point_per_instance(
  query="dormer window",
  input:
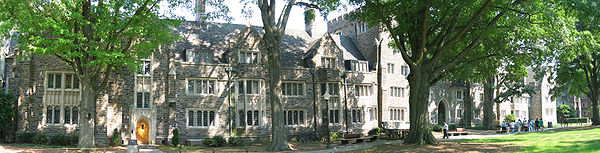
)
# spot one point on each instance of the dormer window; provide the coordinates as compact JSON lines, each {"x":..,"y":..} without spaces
{"x":362,"y":27}
{"x":248,"y":57}
{"x":328,"y":62}
{"x":360,"y":66}
{"x":196,"y":56}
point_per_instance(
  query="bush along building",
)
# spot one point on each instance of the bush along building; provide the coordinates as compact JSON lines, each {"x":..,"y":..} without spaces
{"x":214,"y":80}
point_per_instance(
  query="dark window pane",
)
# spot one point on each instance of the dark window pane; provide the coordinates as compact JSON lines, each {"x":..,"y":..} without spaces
{"x":242,"y":118}
{"x":190,"y":86}
{"x":139,"y":100}
{"x":67,"y":115}
{"x":323,"y":88}
{"x":49,"y":115}
{"x":198,"y":118}
{"x":358,"y":116}
{"x":56,"y":115}
{"x":249,"y":87}
{"x":249,"y":118}
{"x":290,"y":119}
{"x":146,"y":100}
{"x":205,"y":118}
{"x":336,"y":115}
{"x":295,"y":117}
{"x":75,"y":117}
{"x":211,"y":87}
{"x":289,"y":89}
{"x":285,"y":118}
{"x":241,"y":87}
{"x":301,"y":117}
{"x":75,"y":82}
{"x":330,"y":116}
{"x":68,"y":82}
{"x":191,"y":118}
{"x":300,"y":89}
{"x":256,"y":118}
{"x":212,"y":118}
{"x":57,"y":81}
{"x":353,"y":116}
{"x":50,"y":82}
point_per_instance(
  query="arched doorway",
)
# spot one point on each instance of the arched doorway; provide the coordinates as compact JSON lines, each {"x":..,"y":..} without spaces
{"x":142,"y":131}
{"x":441,"y":112}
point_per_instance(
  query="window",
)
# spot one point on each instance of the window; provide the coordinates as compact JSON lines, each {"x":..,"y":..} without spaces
{"x":293,"y":117}
{"x":404,"y":70}
{"x":363,"y":90}
{"x":248,"y":57}
{"x":293,"y":89}
{"x":201,"y":118}
{"x":198,"y":56}
{"x":61,"y":97}
{"x":143,"y":100}
{"x":145,"y":69}
{"x":201,"y":87}
{"x":402,"y":115}
{"x":252,"y":118}
{"x":362,"y":27}
{"x":459,"y":95}
{"x":356,"y":115}
{"x":396,"y":92}
{"x":390,"y":68}
{"x":334,"y":116}
{"x":396,"y":114}
{"x":459,"y":113}
{"x":248,"y":87}
{"x":361,"y":66}
{"x":328,"y":62}
{"x":332,"y":88}
{"x":372,"y":114}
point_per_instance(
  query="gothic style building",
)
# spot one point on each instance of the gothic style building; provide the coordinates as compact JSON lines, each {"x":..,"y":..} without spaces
{"x":214,"y":81}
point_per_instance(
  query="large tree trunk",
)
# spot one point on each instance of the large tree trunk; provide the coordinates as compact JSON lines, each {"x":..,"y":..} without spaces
{"x":278,"y":141}
{"x":488,"y":104}
{"x":595,"y":113}
{"x":420,"y":132}
{"x":87,"y":114}
{"x":379,"y":88}
{"x":467,"y":116}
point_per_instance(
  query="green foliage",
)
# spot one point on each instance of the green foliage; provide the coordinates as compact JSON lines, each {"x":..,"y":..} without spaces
{"x":215,"y":141}
{"x":309,"y":16}
{"x":59,"y":139}
{"x":452,"y":127}
{"x":509,"y":117}
{"x":26,"y":137}
{"x":116,"y":137}
{"x":578,"y":120}
{"x":73,"y":140}
{"x":7,"y":112}
{"x":376,"y":131}
{"x":335,"y":135}
{"x":564,"y":111}
{"x":175,"y":139}
{"x":236,"y":141}
{"x":437,"y":128}
{"x":40,"y":139}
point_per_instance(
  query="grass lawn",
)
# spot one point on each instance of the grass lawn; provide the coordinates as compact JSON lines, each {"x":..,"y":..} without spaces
{"x":577,"y":139}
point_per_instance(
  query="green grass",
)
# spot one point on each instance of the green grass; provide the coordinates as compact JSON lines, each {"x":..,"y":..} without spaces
{"x":40,"y":145}
{"x":570,"y":140}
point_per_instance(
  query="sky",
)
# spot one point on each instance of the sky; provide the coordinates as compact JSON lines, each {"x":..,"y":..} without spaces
{"x":295,"y":21}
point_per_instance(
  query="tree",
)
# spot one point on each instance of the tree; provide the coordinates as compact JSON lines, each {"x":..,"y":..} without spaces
{"x":578,"y":66}
{"x":436,"y":37}
{"x":7,"y":114}
{"x":564,"y":111}
{"x":271,"y":42}
{"x":94,"y":37}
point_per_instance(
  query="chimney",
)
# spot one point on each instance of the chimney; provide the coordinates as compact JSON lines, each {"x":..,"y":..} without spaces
{"x":200,"y":12}
{"x":309,"y":26}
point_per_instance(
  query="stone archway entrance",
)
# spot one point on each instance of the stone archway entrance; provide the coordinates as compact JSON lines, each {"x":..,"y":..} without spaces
{"x":142,"y":131}
{"x":441,"y":112}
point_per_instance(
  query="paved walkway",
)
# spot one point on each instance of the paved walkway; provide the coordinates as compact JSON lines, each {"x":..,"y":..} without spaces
{"x":355,"y":146}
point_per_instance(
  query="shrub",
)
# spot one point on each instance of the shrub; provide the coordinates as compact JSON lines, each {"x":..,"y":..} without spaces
{"x":452,"y":127}
{"x":26,"y":137}
{"x":376,"y":131}
{"x":215,"y":141}
{"x":73,"y":140}
{"x":175,"y":139}
{"x":236,"y":141}
{"x":509,"y":117}
{"x":308,"y":136}
{"x":7,"y":113}
{"x":116,"y":137}
{"x":578,"y":120}
{"x":40,"y":139}
{"x":335,"y":135}
{"x":58,"y":139}
{"x":437,"y":128}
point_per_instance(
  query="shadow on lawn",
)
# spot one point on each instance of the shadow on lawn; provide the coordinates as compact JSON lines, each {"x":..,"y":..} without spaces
{"x":489,"y":140}
{"x":449,"y":147}
{"x":570,"y":146}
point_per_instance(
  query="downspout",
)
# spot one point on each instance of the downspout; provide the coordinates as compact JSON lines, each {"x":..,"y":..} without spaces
{"x":314,"y":100}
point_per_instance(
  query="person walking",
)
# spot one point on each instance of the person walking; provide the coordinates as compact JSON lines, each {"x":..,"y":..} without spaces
{"x":512,"y":127}
{"x":519,"y":124}
{"x":445,"y":131}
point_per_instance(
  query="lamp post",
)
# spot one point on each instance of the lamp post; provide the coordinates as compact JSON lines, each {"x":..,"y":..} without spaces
{"x":344,"y":75}
{"x":229,"y":70}
{"x":326,"y":98}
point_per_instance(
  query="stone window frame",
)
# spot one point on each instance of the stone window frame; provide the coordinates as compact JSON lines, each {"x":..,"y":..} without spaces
{"x":245,"y":88}
{"x":194,"y":118}
{"x":405,"y":70}
{"x":255,"y":118}
{"x":372,"y":111}
{"x":294,"y":84}
{"x":359,"y":66}
{"x":397,"y":114}
{"x":145,"y":104}
{"x":327,"y":86}
{"x":334,"y":116}
{"x":397,"y":92}
{"x":146,"y":68}
{"x":245,"y":52}
{"x":460,"y":95}
{"x":299,"y":122}
{"x":391,"y":68}
{"x":190,"y":55}
{"x":459,"y":113}
{"x":329,"y":62}
{"x":366,"y":87}
{"x":362,"y":27}
{"x":215,"y":88}
{"x":356,"y":115}
{"x":61,"y":107}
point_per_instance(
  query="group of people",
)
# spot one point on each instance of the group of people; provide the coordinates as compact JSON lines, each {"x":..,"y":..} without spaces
{"x":532,"y":125}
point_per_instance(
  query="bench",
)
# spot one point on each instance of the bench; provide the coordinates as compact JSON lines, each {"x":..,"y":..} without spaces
{"x":458,"y":133}
{"x":359,"y":139}
{"x":500,"y":131}
{"x":193,"y":142}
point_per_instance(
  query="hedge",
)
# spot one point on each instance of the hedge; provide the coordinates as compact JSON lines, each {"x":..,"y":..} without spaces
{"x":578,"y":120}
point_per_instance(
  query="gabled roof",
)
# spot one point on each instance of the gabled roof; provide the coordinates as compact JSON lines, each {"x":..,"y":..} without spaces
{"x":344,"y":43}
{"x":217,"y":37}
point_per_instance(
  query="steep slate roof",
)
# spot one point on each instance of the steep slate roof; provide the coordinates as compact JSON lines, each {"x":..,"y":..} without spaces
{"x":350,"y":51}
{"x":217,"y":36}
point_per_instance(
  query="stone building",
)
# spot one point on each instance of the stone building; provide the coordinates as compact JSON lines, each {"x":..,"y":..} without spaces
{"x":214,"y":81}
